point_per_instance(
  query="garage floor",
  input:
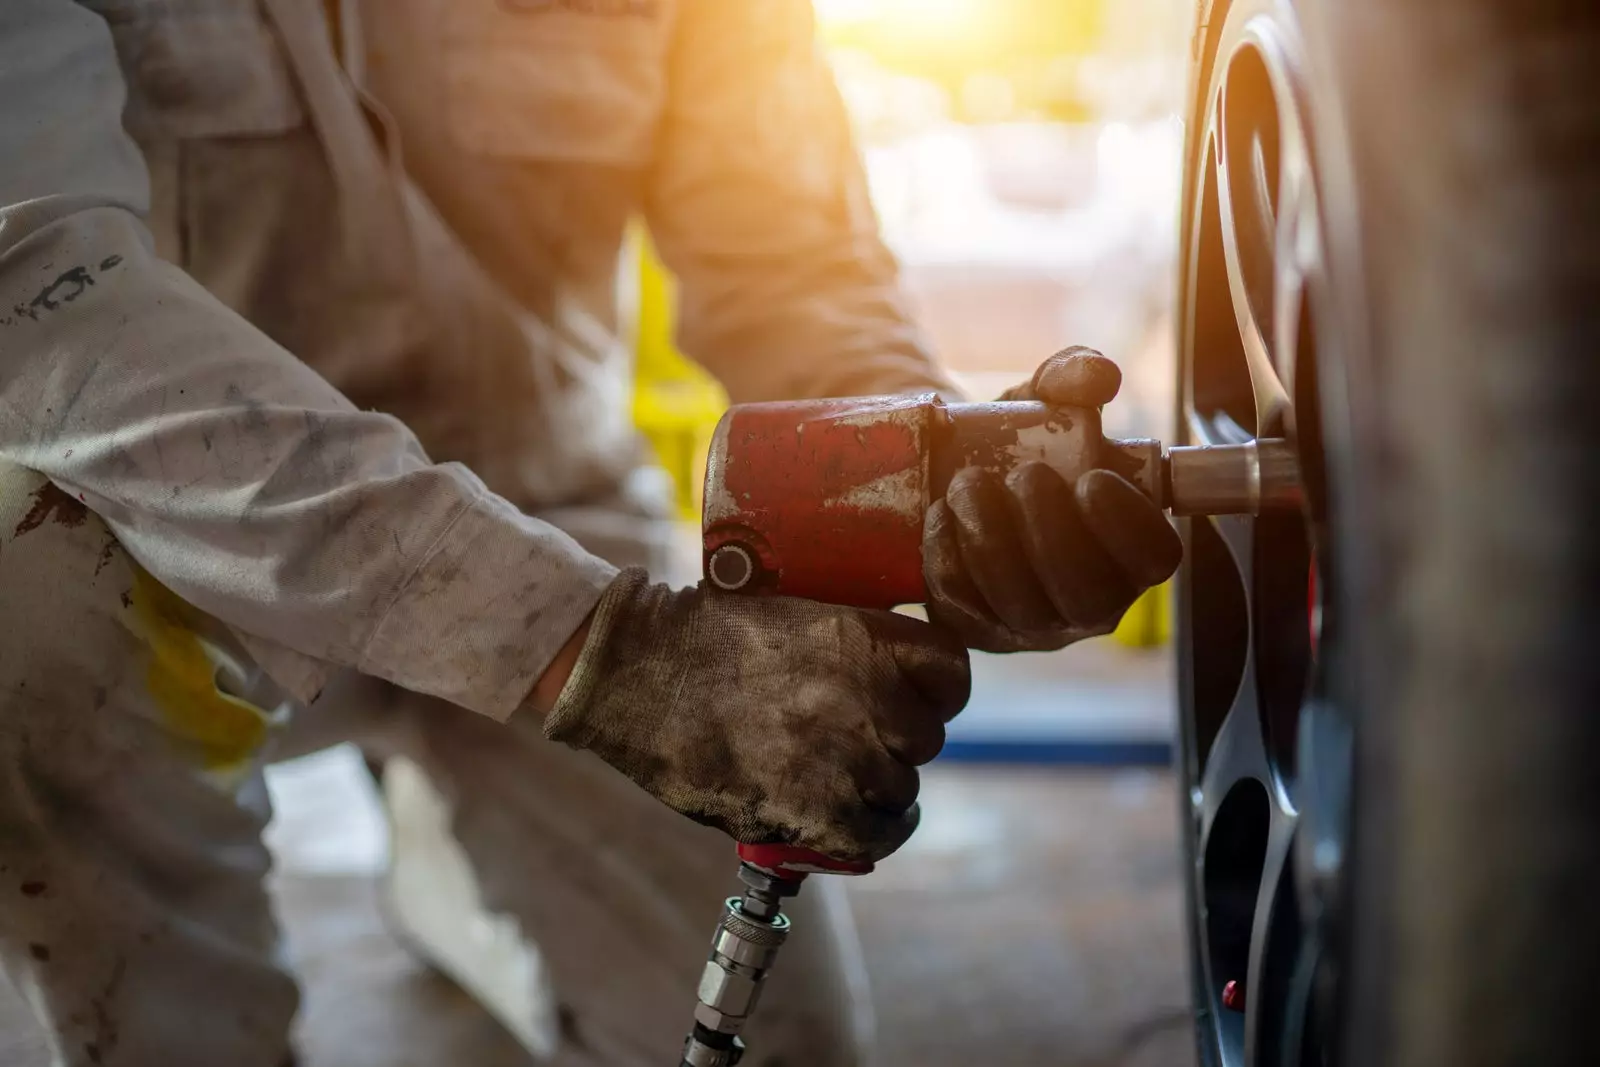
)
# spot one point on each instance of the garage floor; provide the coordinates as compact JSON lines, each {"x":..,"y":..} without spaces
{"x":1035,"y":921}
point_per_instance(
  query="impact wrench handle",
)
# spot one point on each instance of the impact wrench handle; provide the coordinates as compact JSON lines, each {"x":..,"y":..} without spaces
{"x":790,"y":484}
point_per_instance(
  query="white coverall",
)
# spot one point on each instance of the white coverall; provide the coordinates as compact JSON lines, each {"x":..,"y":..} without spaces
{"x":232,"y":335}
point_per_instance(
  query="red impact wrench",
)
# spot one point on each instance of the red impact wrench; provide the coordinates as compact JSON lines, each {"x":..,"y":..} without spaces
{"x":825,"y":500}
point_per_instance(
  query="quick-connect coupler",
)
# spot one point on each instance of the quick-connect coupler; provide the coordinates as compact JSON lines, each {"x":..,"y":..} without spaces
{"x":743,"y":949}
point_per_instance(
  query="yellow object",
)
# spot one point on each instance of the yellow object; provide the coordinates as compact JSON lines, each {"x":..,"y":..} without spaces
{"x":676,"y":404}
{"x":1148,"y":623}
{"x":223,"y":730}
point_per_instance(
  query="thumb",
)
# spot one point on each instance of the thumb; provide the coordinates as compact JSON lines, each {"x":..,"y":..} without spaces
{"x":1074,"y":377}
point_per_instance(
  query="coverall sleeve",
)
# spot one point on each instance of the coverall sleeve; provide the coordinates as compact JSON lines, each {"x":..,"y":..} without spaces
{"x":226,"y":467}
{"x":758,"y":202}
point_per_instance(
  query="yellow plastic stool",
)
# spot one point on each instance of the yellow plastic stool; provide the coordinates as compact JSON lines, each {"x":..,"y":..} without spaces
{"x":676,"y":404}
{"x":1148,"y":623}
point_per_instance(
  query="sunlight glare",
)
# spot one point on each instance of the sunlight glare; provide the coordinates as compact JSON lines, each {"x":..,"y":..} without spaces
{"x":926,"y":17}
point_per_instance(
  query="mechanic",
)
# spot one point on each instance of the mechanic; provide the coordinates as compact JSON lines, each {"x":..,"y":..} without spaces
{"x":280,"y":419}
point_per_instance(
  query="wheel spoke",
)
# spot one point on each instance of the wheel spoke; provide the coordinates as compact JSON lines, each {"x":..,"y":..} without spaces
{"x":1239,"y":534}
{"x":1217,"y":429}
{"x":1297,"y":251}
{"x":1297,"y":257}
{"x":1236,"y":754}
{"x":1276,"y":892}
{"x":1246,"y":189}
{"x":1239,"y":749}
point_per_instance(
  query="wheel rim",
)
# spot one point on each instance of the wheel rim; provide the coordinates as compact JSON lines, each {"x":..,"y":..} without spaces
{"x":1265,"y":749}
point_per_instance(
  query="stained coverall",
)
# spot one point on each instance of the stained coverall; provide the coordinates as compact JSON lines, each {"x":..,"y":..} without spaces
{"x":213,"y":552}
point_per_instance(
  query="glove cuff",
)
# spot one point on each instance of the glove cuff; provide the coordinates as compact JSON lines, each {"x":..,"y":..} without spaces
{"x":572,"y":720}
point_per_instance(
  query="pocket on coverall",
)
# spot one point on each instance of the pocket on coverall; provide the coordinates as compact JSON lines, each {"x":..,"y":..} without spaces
{"x":576,"y":80}
{"x":200,"y":68}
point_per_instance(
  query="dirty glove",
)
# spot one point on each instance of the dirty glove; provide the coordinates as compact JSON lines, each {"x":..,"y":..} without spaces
{"x":774,"y":719}
{"x":1033,"y":562}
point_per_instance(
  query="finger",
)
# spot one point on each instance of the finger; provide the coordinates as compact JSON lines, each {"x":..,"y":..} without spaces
{"x":912,"y":731}
{"x":1082,"y":580}
{"x":932,"y":661}
{"x":1131,"y":528}
{"x":950,"y":588}
{"x":993,"y":553}
{"x":954,"y":603}
{"x":861,"y":833}
{"x":941,"y":680}
{"x":1077,"y":377}
{"x":888,"y":785}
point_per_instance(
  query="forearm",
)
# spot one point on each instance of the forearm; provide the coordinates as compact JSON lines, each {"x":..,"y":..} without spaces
{"x":759,"y":203}
{"x":830,"y":322}
{"x":230,"y":470}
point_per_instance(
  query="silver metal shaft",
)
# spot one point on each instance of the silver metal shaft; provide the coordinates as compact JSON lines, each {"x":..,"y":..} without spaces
{"x":1243,"y":479}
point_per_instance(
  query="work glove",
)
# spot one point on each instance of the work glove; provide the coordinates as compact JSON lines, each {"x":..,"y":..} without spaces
{"x":774,"y":719}
{"x":1033,"y":562}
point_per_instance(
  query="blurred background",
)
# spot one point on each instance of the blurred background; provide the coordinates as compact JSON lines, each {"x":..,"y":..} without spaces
{"x":1025,"y":159}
